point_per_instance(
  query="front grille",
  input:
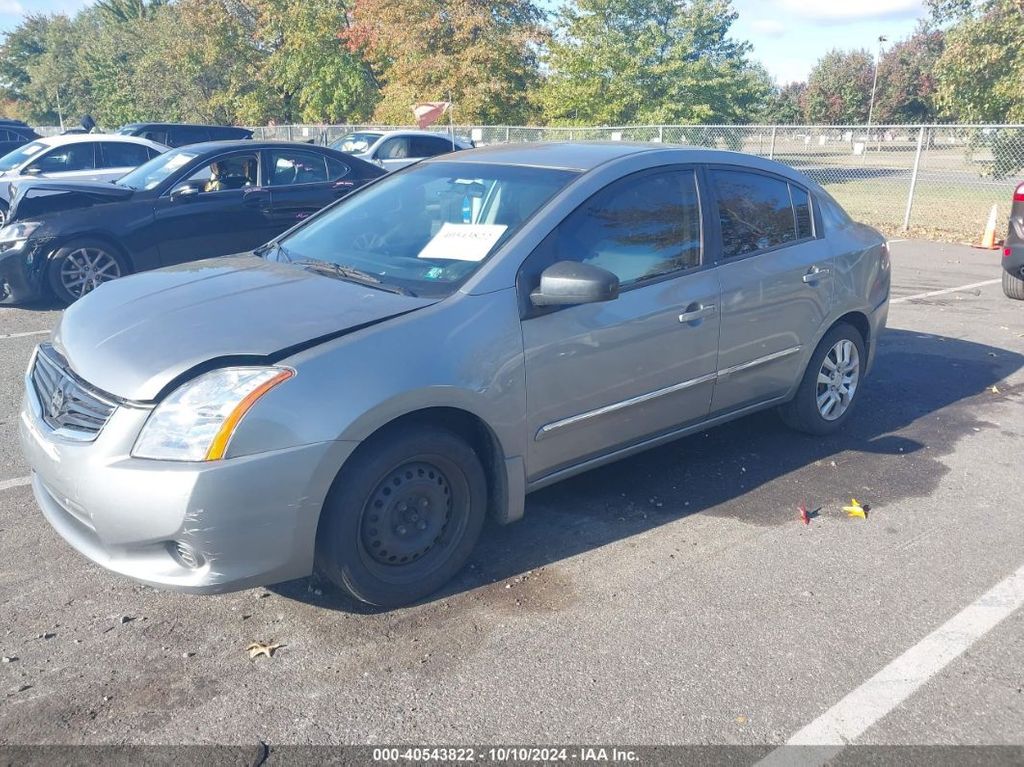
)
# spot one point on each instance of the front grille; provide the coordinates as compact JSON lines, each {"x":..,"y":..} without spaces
{"x":66,"y":404}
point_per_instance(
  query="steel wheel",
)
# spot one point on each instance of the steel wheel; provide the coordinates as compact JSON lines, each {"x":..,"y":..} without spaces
{"x":837,"y":379}
{"x":410,"y":516}
{"x":85,"y":269}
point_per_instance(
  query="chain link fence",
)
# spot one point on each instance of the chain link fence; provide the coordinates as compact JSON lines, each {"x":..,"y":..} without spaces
{"x":933,"y":180}
{"x":936,"y":181}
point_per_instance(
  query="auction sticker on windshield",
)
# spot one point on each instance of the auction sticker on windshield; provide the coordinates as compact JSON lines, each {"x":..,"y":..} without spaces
{"x":463,"y":242}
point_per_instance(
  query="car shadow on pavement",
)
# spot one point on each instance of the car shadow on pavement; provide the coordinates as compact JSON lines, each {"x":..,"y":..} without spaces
{"x":926,"y":393}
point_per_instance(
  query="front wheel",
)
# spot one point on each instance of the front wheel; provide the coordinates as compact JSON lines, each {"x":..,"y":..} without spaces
{"x":831,"y":383}
{"x":81,"y":267}
{"x":402,"y":516}
{"x":3,"y":213}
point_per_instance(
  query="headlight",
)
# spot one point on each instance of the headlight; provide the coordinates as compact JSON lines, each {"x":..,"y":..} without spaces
{"x":196,"y":421}
{"x":13,"y":236}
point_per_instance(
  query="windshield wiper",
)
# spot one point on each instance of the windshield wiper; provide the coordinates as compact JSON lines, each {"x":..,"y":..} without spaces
{"x":332,"y":269}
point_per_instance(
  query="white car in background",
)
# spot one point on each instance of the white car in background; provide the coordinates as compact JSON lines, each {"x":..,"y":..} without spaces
{"x":74,"y":157}
{"x":396,"y":149}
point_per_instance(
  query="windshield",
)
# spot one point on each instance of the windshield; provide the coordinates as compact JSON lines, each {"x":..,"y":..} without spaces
{"x":21,"y":155}
{"x":427,"y":229}
{"x":151,"y":174}
{"x":355,"y":142}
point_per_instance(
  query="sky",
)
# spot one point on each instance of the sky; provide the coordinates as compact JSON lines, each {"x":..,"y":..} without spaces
{"x":788,"y":35}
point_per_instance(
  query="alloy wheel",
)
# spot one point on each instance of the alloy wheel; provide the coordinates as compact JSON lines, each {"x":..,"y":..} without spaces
{"x":837,"y":379}
{"x":85,"y":269}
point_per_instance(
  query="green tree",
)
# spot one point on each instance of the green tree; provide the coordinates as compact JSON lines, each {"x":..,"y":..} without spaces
{"x":626,"y":61}
{"x":907,"y":81}
{"x":306,"y":71}
{"x":22,"y":47}
{"x":839,"y":88}
{"x":785,"y":104}
{"x":981,"y":71}
{"x":128,"y":10}
{"x":481,"y":52}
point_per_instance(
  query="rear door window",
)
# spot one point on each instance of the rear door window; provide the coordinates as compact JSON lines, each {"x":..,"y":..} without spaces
{"x":188,"y":134}
{"x":755,"y":211}
{"x":291,"y":166}
{"x":122,"y":155}
{"x":429,"y":146}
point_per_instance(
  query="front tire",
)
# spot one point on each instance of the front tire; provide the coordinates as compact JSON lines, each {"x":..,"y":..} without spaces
{"x":4,"y":208}
{"x":82,"y":266}
{"x":830,"y":387}
{"x":1013,"y":286}
{"x":402,"y":516}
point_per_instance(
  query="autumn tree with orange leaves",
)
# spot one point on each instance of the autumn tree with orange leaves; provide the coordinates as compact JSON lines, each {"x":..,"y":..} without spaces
{"x":481,"y":52}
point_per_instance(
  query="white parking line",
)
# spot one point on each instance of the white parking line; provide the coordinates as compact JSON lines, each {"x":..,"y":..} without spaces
{"x":26,"y":333}
{"x":7,"y":484}
{"x":854,"y":714}
{"x":943,"y":292}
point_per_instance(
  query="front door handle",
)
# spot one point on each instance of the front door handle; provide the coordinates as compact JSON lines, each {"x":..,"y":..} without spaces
{"x":698,"y":312}
{"x":815,"y":274}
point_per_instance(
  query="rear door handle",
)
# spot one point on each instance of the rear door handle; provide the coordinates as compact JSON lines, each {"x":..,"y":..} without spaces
{"x":698,"y":313}
{"x":256,"y":198}
{"x":816,"y":274}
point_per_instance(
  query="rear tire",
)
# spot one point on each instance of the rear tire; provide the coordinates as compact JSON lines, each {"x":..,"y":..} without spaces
{"x":81,"y":266}
{"x":830,"y":388}
{"x":4,"y":208}
{"x":1013,"y":286}
{"x":402,"y":516}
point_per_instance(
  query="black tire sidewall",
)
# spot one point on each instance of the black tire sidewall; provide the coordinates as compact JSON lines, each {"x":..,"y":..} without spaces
{"x":4,"y":210}
{"x":803,"y":410}
{"x":340,"y":554}
{"x":54,"y":267}
{"x":1013,"y":286}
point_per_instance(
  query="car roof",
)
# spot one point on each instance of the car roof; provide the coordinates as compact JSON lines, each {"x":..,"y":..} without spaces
{"x":184,"y":125}
{"x":238,"y":143}
{"x":587,"y":155}
{"x":410,"y":132}
{"x":78,"y":138}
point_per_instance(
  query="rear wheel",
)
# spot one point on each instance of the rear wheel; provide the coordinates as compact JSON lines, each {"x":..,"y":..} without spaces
{"x":3,"y":213}
{"x":403,"y":516}
{"x":831,"y":383}
{"x":82,"y":266}
{"x":1013,"y":286}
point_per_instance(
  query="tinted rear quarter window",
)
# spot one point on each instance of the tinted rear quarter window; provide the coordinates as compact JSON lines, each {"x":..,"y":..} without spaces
{"x":802,"y":210}
{"x":187,"y":135}
{"x":429,"y":146}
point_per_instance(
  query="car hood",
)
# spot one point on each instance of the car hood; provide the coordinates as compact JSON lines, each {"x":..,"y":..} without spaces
{"x":34,"y":198}
{"x":136,"y":336}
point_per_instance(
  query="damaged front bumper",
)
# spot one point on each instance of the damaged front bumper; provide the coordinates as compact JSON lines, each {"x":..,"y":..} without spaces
{"x":23,"y":273}
{"x":195,"y":527}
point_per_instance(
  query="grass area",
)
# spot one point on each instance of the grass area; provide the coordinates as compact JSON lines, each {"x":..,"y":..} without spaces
{"x":956,"y":213}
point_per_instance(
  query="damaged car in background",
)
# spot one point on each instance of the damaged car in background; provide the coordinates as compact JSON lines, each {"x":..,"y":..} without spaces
{"x":68,"y":237}
{"x":358,"y":395}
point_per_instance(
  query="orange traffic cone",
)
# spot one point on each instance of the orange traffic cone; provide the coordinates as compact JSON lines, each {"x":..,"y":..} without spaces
{"x":988,"y":239}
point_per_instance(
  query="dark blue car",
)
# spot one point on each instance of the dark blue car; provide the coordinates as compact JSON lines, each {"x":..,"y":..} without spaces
{"x":194,"y":202}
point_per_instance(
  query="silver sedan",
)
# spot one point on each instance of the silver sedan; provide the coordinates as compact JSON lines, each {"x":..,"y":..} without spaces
{"x":358,"y":395}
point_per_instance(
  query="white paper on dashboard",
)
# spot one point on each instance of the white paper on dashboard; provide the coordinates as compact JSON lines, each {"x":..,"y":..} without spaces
{"x":463,"y":242}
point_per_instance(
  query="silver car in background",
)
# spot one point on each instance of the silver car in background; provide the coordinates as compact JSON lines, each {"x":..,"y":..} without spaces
{"x":356,"y":396}
{"x":394,"y":150}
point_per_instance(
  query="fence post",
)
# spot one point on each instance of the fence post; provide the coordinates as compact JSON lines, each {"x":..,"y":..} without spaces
{"x":508,"y":134}
{"x":661,"y":134}
{"x":771,"y":150}
{"x":913,"y":179}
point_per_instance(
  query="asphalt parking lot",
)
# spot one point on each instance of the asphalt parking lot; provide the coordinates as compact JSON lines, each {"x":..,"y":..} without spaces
{"x":674,"y":597}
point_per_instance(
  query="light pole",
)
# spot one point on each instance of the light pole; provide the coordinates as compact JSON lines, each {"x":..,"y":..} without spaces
{"x":874,"y":85}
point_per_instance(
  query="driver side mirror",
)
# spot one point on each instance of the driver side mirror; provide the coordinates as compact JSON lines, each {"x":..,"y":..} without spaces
{"x":32,"y":170}
{"x":184,"y":193}
{"x":572,"y":282}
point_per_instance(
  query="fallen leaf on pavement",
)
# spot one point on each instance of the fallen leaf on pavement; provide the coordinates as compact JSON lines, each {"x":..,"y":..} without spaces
{"x":260,"y":648}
